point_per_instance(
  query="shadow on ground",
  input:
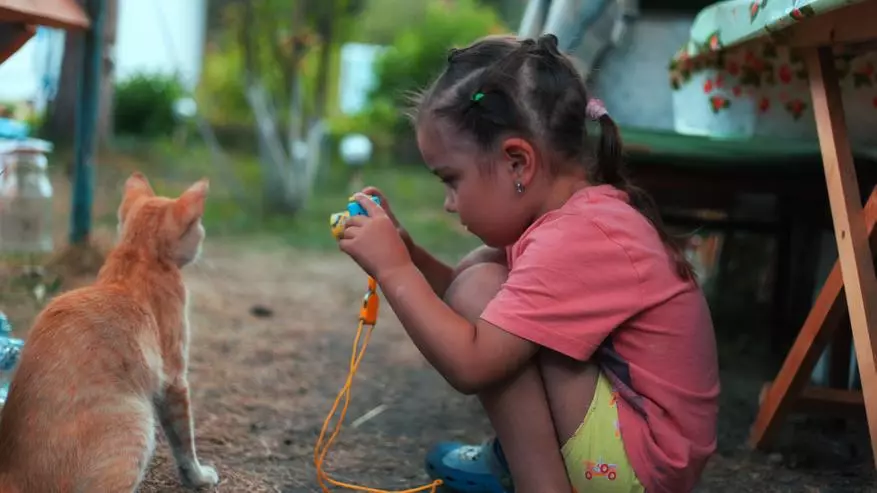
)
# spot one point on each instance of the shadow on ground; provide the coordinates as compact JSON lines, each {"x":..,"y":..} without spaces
{"x":262,"y":385}
{"x":272,"y":335}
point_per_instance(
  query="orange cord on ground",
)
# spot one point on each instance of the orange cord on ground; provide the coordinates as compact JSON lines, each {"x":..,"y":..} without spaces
{"x":368,"y":316}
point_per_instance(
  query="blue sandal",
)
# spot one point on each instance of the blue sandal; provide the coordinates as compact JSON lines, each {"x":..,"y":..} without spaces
{"x":470,"y":468}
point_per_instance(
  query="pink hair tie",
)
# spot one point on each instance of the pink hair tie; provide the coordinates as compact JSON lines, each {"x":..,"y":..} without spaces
{"x":595,"y":109}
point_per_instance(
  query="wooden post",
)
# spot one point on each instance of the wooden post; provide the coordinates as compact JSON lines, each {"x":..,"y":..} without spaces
{"x":108,"y":70}
{"x":86,"y":123}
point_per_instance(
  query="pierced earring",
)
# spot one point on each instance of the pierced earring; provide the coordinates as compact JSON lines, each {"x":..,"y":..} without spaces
{"x":519,"y":187}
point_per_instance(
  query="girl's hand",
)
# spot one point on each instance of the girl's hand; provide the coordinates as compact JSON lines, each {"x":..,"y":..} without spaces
{"x":373,"y":241}
{"x":409,"y":243}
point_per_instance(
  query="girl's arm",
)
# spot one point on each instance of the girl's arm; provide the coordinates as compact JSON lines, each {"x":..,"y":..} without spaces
{"x":470,"y":357}
{"x":438,"y":274}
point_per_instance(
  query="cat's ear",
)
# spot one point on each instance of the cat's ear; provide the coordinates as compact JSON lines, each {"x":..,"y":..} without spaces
{"x":136,"y":186}
{"x":190,"y":204}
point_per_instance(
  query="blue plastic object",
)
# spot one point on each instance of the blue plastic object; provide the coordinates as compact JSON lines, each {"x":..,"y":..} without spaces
{"x":10,"y":350}
{"x":13,"y":129}
{"x":5,"y":326}
{"x":355,"y":209}
{"x":470,"y":468}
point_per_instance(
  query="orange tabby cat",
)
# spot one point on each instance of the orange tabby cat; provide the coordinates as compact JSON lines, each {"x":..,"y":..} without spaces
{"x":103,"y":362}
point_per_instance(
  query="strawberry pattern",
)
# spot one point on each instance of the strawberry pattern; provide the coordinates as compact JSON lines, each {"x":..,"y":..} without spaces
{"x":766,"y":72}
{"x":751,"y":72}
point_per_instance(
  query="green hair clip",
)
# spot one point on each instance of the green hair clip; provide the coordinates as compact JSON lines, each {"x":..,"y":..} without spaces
{"x":478,"y":96}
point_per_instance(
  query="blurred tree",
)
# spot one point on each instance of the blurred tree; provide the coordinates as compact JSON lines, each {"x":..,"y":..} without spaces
{"x":510,"y":11}
{"x":277,"y":40}
{"x":107,"y":91}
{"x":61,"y":112}
{"x":375,"y":26}
{"x":215,"y":22}
{"x":334,"y":23}
{"x":418,"y":53}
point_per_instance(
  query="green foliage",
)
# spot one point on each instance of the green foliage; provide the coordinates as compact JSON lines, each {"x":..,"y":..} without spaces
{"x":282,"y":42}
{"x":417,"y":197}
{"x":220,"y":94}
{"x":379,"y":122}
{"x":376,"y":27}
{"x":144,"y":105}
{"x":35,"y":121}
{"x":417,"y":55}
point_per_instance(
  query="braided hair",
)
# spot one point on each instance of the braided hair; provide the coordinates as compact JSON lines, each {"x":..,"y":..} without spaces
{"x":501,"y":87}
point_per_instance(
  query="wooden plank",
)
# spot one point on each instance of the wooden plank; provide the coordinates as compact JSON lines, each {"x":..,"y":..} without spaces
{"x":828,"y":312}
{"x":62,"y":14}
{"x":847,"y":25}
{"x":13,"y":38}
{"x":826,"y":401}
{"x":832,"y":402}
{"x":854,"y":253}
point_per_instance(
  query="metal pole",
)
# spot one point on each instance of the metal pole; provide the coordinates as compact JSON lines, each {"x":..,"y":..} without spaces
{"x":86,"y":123}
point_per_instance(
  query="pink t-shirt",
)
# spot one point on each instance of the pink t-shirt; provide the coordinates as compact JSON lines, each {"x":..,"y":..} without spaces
{"x":592,"y":280}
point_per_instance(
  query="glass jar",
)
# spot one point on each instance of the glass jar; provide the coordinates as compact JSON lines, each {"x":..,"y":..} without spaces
{"x":25,"y":197}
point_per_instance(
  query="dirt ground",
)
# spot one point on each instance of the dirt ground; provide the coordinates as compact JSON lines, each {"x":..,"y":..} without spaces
{"x":272,"y":335}
{"x":262,"y":386}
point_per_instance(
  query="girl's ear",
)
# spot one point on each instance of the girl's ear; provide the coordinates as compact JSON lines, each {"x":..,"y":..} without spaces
{"x":190,"y":205}
{"x":520,"y":159}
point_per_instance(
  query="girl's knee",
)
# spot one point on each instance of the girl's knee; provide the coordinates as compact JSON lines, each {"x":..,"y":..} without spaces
{"x":480,"y":255}
{"x":474,"y":287}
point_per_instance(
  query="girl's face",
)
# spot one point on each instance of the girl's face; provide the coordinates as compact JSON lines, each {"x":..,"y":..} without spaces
{"x":480,"y":192}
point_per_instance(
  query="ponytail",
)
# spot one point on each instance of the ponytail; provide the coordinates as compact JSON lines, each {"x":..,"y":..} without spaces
{"x":610,"y":164}
{"x":501,"y":86}
{"x":611,"y":170}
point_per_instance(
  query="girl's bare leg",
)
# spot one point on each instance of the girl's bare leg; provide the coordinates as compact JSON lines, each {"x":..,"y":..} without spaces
{"x":519,"y":407}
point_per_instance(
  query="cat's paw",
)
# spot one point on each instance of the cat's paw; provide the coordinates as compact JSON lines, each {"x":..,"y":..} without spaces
{"x":200,"y":477}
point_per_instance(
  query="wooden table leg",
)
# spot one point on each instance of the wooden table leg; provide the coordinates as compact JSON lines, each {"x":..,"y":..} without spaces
{"x":827,"y":314}
{"x":854,"y":254}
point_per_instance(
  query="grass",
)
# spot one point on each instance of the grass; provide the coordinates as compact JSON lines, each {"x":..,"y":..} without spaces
{"x":415,"y":194}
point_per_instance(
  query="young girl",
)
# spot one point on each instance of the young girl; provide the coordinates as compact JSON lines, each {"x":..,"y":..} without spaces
{"x":578,"y":325}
